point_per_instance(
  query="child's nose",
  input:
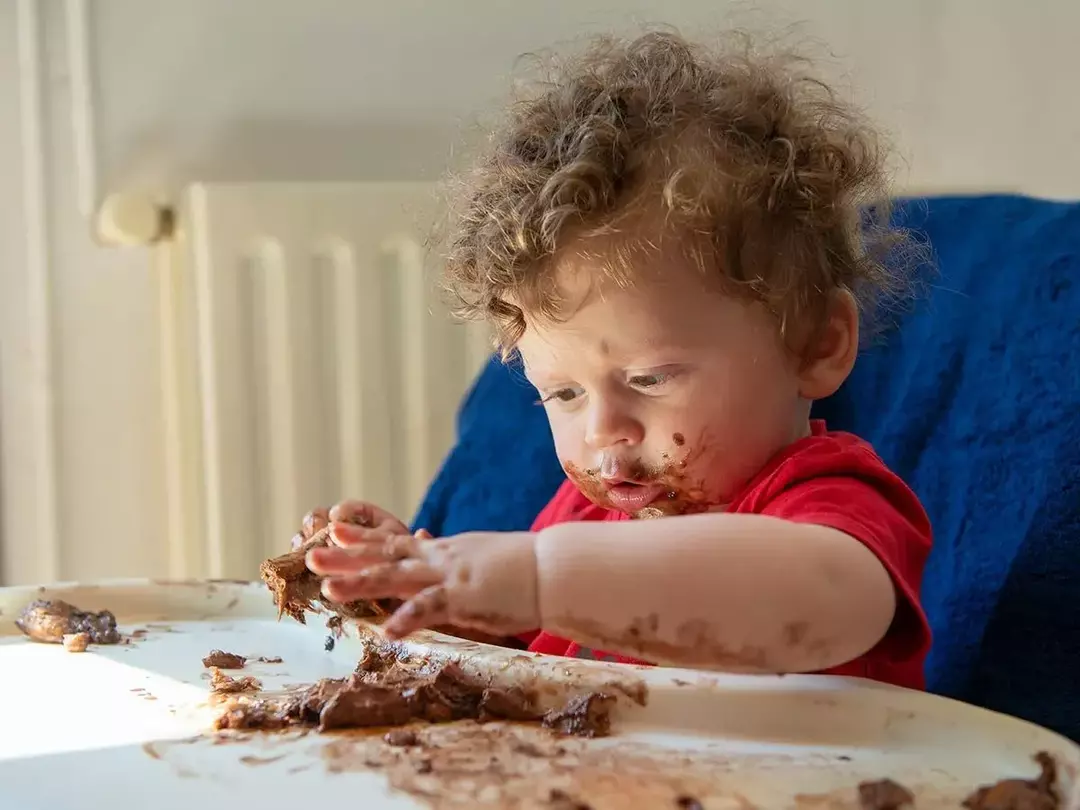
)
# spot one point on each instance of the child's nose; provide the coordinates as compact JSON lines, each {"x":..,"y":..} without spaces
{"x":609,"y":425}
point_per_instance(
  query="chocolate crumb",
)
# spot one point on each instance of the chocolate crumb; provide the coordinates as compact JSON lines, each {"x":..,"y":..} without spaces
{"x":401,"y":738}
{"x":224,"y":684}
{"x":884,"y":794}
{"x":328,"y":645}
{"x":583,"y":716}
{"x":561,"y":800}
{"x":528,"y":749}
{"x":223,"y":660}
{"x":679,"y":439}
{"x":49,"y":620}
{"x":76,"y":642}
{"x":1020,"y":794}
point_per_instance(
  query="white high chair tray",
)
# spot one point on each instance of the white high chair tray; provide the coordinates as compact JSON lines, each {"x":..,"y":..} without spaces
{"x":129,"y":722}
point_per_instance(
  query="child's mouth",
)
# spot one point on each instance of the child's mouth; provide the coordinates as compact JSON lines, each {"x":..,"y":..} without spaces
{"x":627,"y":496}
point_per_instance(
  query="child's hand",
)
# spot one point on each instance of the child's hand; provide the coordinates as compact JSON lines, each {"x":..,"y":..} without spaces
{"x":484,"y":581}
{"x":360,"y":513}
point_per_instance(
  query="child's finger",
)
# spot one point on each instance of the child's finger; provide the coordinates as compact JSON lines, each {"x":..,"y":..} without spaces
{"x":399,"y":580}
{"x":347,"y":535}
{"x":329,"y":561}
{"x":393,"y":546}
{"x":362,"y":513}
{"x":428,"y":608}
{"x":300,"y":540}
{"x":314,"y":521}
{"x":337,"y":561}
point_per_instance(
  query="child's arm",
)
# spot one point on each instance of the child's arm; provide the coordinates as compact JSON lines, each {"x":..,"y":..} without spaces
{"x":369,"y":515}
{"x":733,"y":592}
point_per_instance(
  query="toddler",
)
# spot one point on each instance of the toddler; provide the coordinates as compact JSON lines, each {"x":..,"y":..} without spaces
{"x":676,"y":244}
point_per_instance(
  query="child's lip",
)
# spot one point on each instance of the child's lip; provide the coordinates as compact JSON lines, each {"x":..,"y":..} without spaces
{"x":617,"y":480}
{"x":628,"y":496}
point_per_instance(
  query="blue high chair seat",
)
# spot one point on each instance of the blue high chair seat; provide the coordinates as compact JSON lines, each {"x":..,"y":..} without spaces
{"x":974,"y":399}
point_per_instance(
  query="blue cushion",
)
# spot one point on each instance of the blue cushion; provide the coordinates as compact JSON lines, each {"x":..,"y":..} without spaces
{"x":975,"y":402}
{"x":503,"y":469}
{"x":974,"y":399}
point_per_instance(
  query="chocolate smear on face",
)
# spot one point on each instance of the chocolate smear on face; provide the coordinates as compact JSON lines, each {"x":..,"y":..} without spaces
{"x":683,"y":496}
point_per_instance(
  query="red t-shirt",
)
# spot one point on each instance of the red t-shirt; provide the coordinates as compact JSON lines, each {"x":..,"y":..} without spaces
{"x":831,"y":479}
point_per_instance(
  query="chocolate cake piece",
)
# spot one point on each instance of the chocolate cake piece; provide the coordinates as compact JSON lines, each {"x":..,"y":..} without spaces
{"x":49,"y":620}
{"x":224,"y":660}
{"x":884,"y":794}
{"x":583,"y":716}
{"x":387,"y":690}
{"x":297,"y":589}
{"x":223,"y":684}
{"x":1040,"y":793}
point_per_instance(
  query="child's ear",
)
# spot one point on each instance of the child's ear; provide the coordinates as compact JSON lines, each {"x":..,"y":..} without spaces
{"x":830,"y":353}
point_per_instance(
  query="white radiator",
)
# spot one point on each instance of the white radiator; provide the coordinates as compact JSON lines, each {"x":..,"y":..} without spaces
{"x":307,"y":358}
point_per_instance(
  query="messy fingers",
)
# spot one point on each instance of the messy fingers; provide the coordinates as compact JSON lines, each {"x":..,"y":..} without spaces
{"x":388,"y":545}
{"x":428,"y":608}
{"x":321,"y":537}
{"x":339,"y":561}
{"x":347,"y":535}
{"x":361,"y":513}
{"x":314,"y":521}
{"x":398,"y":580}
{"x":329,"y":561}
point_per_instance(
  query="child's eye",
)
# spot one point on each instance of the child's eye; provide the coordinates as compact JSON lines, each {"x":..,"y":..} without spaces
{"x":648,"y":380}
{"x":561,"y":395}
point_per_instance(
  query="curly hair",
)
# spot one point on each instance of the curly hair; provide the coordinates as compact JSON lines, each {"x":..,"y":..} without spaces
{"x":781,"y":185}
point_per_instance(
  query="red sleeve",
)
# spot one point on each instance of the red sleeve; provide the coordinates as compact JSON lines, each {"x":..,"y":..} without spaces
{"x":550,"y":514}
{"x":884,"y":515}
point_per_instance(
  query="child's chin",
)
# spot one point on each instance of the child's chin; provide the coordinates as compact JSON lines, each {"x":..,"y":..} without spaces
{"x":661,"y":509}
{"x":649,"y":513}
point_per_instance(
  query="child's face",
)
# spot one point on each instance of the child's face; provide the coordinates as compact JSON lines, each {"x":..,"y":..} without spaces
{"x":666,"y":396}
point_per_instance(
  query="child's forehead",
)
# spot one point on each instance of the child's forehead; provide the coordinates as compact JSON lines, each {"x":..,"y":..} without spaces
{"x":632,"y":298}
{"x":648,"y":320}
{"x":614,"y":326}
{"x":628,"y":272}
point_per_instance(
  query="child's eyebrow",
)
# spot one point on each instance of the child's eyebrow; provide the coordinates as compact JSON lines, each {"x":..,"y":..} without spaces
{"x":528,"y":373}
{"x":537,"y":380}
{"x":543,"y":379}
